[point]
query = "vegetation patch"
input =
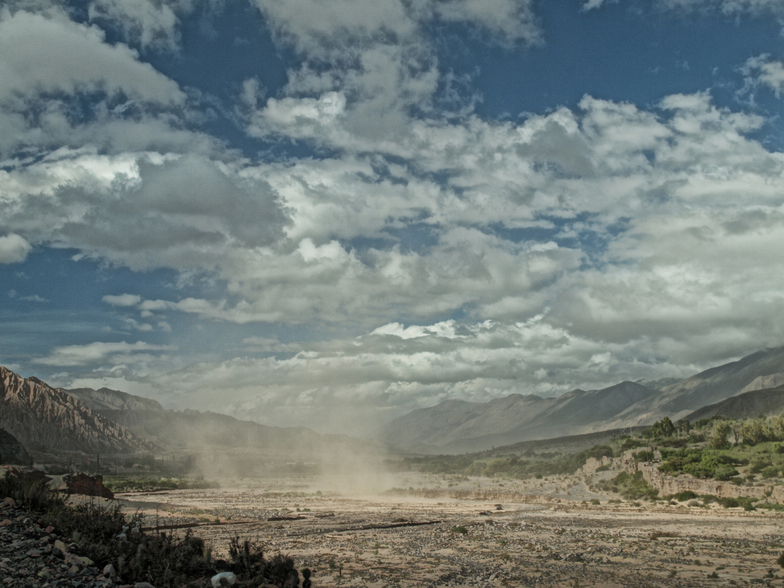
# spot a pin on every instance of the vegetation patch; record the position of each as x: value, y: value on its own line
x: 105, y: 535
x: 152, y: 483
x: 630, y: 486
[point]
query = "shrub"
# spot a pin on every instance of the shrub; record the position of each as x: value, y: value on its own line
x: 758, y: 465
x: 684, y: 496
x: 643, y: 456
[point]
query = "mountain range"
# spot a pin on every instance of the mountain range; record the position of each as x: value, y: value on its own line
x: 456, y: 426
x: 50, y: 422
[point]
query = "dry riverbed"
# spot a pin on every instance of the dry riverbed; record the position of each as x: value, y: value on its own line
x: 436, y: 531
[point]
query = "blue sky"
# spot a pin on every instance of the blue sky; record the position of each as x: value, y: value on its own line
x: 330, y: 213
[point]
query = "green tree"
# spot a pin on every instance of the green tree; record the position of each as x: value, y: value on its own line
x: 720, y: 432
x: 683, y: 426
x: 754, y: 431
x: 663, y: 428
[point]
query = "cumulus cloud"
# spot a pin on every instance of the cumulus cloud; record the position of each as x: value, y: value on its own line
x: 144, y: 210
x: 13, y: 248
x: 509, y: 20
x: 320, y: 239
x: 580, y: 246
x: 363, y: 71
x: 766, y: 71
x: 54, y: 54
x: 149, y: 24
x: 65, y: 86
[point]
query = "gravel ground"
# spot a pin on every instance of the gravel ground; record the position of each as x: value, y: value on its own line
x: 439, y: 532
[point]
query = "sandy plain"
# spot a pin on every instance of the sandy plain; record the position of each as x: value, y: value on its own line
x: 418, y: 530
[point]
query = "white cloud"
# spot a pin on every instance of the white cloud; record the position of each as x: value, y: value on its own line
x: 763, y: 70
x: 363, y: 70
x: 137, y: 326
x: 729, y: 7
x: 592, y: 4
x: 13, y: 248
x: 42, y: 54
x: 123, y: 300
x: 33, y: 298
x: 509, y: 20
x: 100, y: 352
x: 150, y: 24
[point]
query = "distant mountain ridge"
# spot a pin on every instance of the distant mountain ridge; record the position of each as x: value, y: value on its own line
x: 456, y: 426
x: 709, y: 387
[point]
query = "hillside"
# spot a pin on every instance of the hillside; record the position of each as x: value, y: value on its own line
x: 458, y: 426
x: 104, y: 400
x: 708, y: 387
x: 748, y: 405
x: 45, y: 420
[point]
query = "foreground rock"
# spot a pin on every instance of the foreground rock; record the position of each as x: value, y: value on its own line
x: 34, y: 556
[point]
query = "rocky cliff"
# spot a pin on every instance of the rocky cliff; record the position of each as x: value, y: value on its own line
x: 46, y: 420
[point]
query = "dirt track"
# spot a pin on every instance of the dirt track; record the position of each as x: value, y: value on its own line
x: 544, y: 534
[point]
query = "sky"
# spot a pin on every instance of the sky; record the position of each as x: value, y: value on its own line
x: 329, y: 213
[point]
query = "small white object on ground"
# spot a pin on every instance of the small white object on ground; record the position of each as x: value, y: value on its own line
x: 228, y: 576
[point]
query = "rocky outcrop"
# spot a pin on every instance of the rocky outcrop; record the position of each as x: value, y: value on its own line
x: 44, y: 419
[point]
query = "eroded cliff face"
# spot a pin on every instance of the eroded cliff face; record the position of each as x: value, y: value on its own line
x: 44, y: 419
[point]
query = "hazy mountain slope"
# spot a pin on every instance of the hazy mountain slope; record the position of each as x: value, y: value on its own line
x: 192, y: 430
x: 708, y: 387
x: 498, y: 415
x: 44, y: 419
x: 748, y: 405
x: 573, y: 413
x: 457, y: 426
x: 765, y: 383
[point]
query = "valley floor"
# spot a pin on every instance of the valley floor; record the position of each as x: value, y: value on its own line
x: 433, y: 531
